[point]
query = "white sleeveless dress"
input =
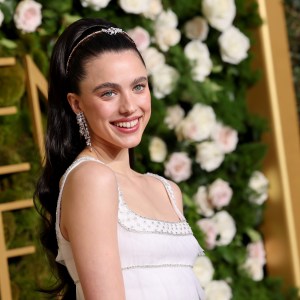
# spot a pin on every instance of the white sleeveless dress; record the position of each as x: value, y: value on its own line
x: 157, y: 257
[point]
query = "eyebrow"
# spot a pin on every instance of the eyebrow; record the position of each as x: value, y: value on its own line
x: 115, y: 85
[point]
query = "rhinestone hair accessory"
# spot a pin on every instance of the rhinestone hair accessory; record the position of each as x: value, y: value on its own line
x: 110, y: 31
x: 83, y: 128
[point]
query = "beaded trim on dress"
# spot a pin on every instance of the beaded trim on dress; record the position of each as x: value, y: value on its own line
x: 131, y: 221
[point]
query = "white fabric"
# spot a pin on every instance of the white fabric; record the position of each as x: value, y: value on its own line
x: 156, y: 256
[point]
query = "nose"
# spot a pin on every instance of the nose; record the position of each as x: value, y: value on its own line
x: 127, y: 104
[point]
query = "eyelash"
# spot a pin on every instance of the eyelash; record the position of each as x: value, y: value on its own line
x: 140, y: 85
x: 141, y: 88
x: 105, y: 94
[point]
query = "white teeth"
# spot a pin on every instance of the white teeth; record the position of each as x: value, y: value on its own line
x: 127, y: 124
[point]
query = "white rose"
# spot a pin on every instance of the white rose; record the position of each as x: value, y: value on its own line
x: 234, y: 45
x: 179, y: 167
x: 198, y: 124
x: 254, y: 268
x: 198, y: 54
x: 208, y: 227
x: 259, y: 199
x: 196, y: 29
x: 201, y: 70
x: 209, y: 156
x: 157, y: 149
x: 219, y: 193
x: 166, y: 37
x: 95, y: 4
x: 196, y: 50
x: 154, y: 9
x: 259, y: 184
x: 140, y: 36
x: 134, y: 6
x: 218, y: 290
x: 219, y: 13
x: 28, y: 15
x: 153, y: 59
x: 204, y: 207
x: 1, y: 17
x: 225, y: 137
x: 225, y: 227
x: 166, y: 19
x: 164, y: 80
x: 174, y: 114
x: 204, y: 270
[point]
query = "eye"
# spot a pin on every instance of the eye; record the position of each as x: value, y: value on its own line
x: 108, y: 94
x: 139, y: 87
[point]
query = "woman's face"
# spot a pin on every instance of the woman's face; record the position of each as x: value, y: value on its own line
x: 115, y: 99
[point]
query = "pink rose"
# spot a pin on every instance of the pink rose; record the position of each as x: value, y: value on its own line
x: 256, y: 250
x: 28, y: 15
x: 219, y: 193
x: 225, y: 137
x: 208, y: 227
x: 178, y: 167
x: 141, y: 37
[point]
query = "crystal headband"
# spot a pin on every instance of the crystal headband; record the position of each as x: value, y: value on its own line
x: 110, y: 31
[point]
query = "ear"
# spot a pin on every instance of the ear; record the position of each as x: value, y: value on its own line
x: 74, y: 101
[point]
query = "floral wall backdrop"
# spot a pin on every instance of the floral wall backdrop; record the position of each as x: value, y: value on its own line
x: 201, y: 134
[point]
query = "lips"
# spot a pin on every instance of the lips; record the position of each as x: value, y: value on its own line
x: 127, y: 125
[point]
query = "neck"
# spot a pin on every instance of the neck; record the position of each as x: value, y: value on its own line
x: 117, y: 160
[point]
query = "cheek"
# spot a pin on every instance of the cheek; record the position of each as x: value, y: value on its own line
x: 98, y: 114
x: 146, y: 103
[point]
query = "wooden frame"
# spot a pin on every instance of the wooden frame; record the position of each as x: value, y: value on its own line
x: 274, y: 98
x: 33, y: 75
x: 7, y: 61
x: 8, y: 253
x: 36, y: 81
x: 4, y: 111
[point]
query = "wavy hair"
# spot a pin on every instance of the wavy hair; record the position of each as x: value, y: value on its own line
x: 73, y: 49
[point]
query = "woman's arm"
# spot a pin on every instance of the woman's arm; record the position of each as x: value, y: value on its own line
x: 89, y: 222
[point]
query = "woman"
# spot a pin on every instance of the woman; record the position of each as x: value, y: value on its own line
x: 115, y: 233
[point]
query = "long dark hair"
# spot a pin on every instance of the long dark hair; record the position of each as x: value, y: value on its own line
x: 63, y: 142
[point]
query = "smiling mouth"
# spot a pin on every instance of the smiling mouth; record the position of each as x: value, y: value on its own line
x: 129, y: 124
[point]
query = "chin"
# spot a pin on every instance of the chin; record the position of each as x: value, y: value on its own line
x: 132, y: 144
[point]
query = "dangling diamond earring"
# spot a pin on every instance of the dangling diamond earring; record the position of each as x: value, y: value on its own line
x: 83, y: 128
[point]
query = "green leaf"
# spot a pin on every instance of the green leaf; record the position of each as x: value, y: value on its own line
x: 9, y: 44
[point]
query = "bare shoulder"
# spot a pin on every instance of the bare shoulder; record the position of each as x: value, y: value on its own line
x: 90, y: 196
x: 91, y: 183
x: 92, y: 175
x: 91, y: 172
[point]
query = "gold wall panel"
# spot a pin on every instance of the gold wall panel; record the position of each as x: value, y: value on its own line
x: 274, y: 98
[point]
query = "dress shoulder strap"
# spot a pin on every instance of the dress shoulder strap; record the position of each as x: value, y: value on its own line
x: 171, y: 194
x: 76, y: 163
